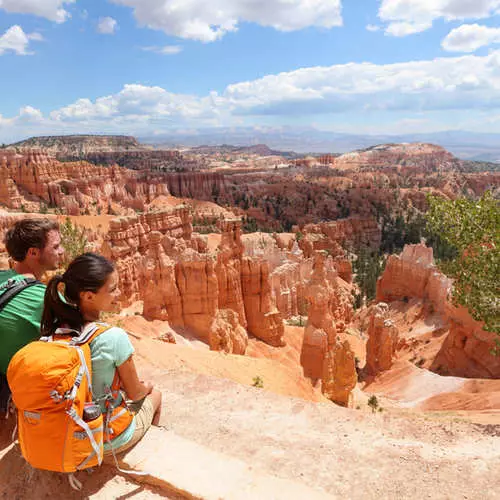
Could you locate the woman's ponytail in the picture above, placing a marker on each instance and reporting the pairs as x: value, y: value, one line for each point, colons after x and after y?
x: 58, y: 311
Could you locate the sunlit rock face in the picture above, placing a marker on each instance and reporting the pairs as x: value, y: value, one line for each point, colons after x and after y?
x: 466, y: 351
x: 217, y: 296
x: 326, y: 355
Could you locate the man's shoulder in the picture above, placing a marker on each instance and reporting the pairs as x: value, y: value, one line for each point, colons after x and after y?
x: 35, y: 293
x: 11, y: 274
x: 7, y: 274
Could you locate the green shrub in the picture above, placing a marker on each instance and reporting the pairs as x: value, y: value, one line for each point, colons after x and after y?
x: 258, y: 382
x: 73, y: 240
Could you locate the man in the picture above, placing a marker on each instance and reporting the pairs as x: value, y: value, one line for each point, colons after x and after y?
x: 35, y: 246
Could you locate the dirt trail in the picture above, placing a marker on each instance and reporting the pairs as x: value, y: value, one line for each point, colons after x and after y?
x: 349, y: 453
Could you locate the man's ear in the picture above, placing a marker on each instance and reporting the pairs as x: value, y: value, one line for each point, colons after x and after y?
x: 33, y: 252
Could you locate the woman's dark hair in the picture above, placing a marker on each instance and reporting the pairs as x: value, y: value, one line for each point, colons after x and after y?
x: 88, y: 272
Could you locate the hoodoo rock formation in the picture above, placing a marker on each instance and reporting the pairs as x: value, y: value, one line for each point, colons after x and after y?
x: 216, y: 296
x: 466, y: 351
x: 325, y: 355
x: 34, y: 178
x: 382, y: 340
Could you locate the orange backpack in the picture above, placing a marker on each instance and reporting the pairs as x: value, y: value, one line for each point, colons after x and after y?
x: 50, y: 380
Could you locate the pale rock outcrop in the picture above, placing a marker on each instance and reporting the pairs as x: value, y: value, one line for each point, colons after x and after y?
x: 382, y: 340
x: 338, y: 235
x: 339, y: 376
x: 425, y: 157
x: 227, y: 334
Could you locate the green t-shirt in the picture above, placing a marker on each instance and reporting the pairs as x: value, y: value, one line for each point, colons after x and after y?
x: 20, y: 319
x: 108, y: 351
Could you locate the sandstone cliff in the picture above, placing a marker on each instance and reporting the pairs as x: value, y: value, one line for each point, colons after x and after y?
x: 35, y: 179
x: 466, y: 350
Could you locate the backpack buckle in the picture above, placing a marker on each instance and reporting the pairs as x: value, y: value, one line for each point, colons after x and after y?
x: 8, y: 284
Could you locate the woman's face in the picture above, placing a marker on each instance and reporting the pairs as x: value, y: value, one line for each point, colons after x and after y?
x: 104, y: 300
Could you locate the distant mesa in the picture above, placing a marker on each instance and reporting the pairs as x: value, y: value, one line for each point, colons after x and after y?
x: 78, y: 145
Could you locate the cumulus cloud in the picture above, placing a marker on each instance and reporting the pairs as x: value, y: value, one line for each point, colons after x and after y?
x: 209, y: 21
x: 50, y: 9
x: 405, y: 17
x: 403, y: 28
x: 107, y: 26
x: 372, y: 27
x: 17, y: 41
x: 454, y: 84
x: 136, y: 101
x: 166, y: 50
x: 470, y: 37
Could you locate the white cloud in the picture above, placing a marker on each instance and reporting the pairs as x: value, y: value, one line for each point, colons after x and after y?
x: 208, y: 21
x: 372, y: 27
x: 36, y: 37
x: 361, y: 91
x: 136, y: 101
x: 107, y: 26
x: 412, y: 16
x: 50, y: 9
x: 403, y: 28
x: 166, y: 50
x: 470, y: 37
x: 17, y: 41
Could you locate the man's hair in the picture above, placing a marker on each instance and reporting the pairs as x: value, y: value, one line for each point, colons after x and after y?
x: 26, y: 234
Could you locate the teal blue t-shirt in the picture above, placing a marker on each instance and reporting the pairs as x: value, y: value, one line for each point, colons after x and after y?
x: 108, y: 351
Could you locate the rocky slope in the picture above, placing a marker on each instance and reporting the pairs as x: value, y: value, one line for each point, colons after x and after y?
x: 466, y: 350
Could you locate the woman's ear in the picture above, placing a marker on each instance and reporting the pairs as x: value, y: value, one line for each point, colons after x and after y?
x: 86, y: 297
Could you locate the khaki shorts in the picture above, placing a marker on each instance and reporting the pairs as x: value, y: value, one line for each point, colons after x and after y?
x: 144, y: 413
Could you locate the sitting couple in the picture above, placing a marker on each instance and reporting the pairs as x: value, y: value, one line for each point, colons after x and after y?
x: 71, y: 302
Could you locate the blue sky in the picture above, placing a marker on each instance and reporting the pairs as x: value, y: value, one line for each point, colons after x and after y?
x: 148, y: 66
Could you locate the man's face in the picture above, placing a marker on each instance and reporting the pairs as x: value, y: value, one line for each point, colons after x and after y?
x: 51, y: 255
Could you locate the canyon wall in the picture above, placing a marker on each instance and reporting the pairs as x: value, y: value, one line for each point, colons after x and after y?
x: 466, y: 351
x: 34, y: 178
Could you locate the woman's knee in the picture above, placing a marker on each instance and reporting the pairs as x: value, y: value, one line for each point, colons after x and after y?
x: 156, y: 398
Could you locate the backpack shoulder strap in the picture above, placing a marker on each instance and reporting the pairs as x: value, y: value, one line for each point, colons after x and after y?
x: 11, y: 288
x: 90, y: 332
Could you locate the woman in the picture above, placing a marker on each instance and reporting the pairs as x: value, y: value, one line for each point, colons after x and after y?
x: 73, y: 302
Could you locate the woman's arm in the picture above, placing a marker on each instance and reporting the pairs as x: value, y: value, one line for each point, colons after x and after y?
x: 134, y: 388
